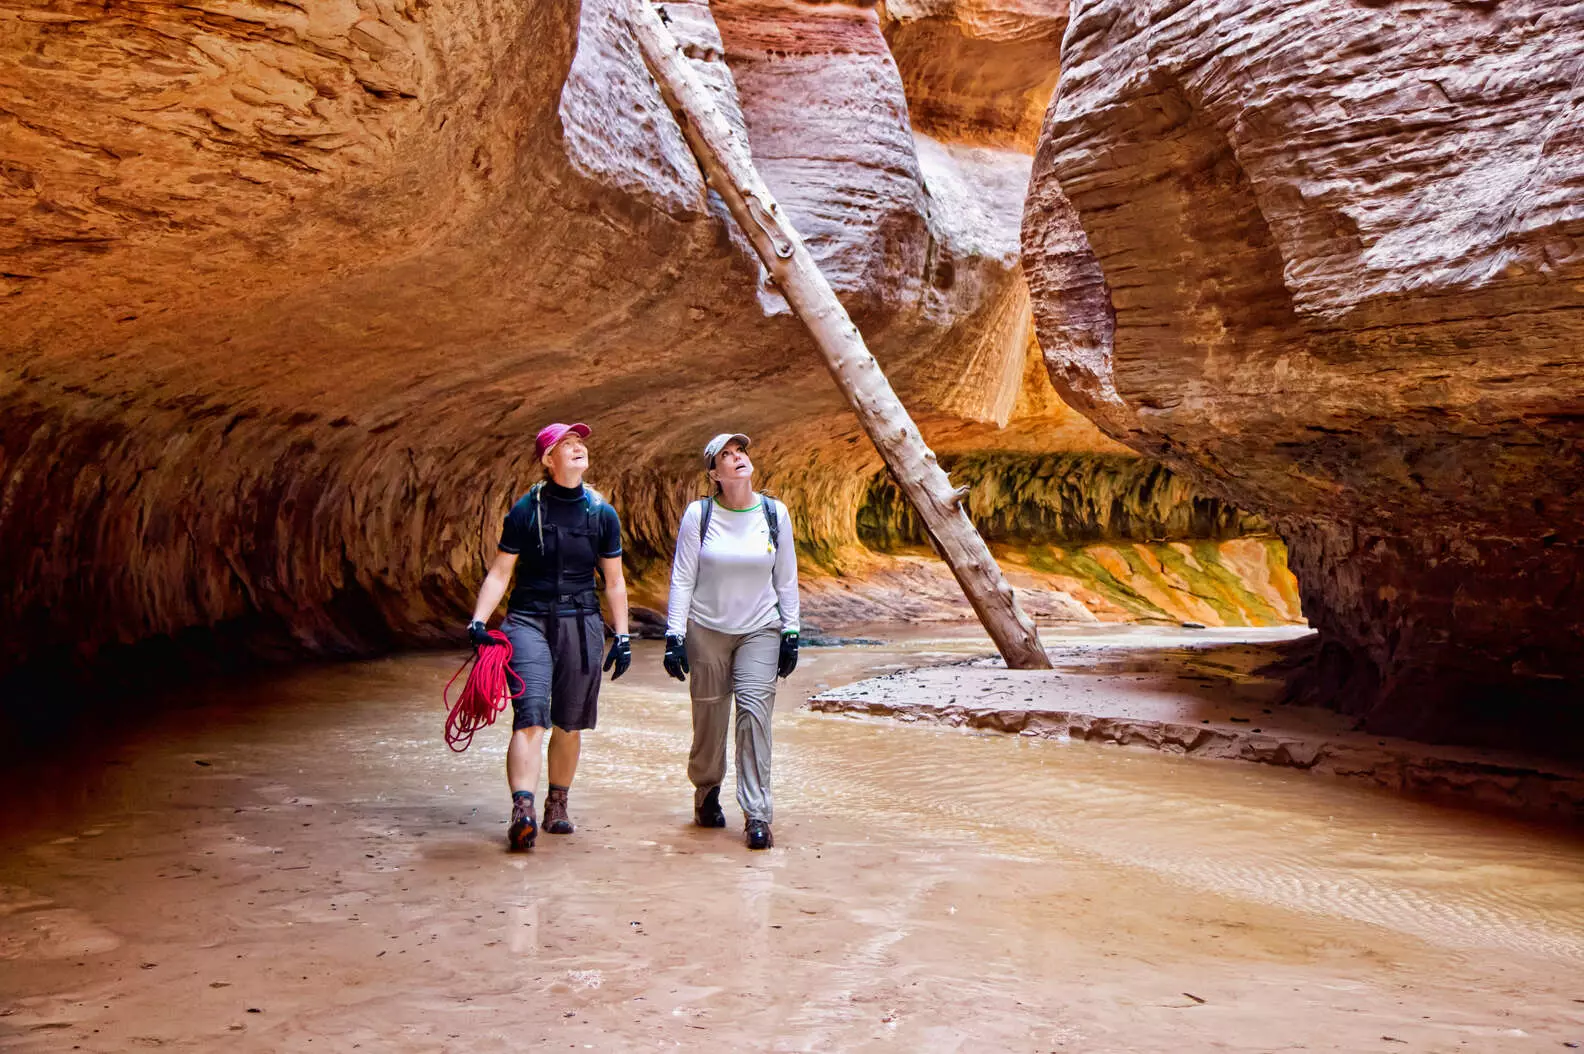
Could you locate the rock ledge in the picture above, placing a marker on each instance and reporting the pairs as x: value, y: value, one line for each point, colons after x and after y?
x: 1201, y: 694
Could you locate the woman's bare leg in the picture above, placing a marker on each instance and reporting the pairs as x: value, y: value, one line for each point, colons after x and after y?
x: 564, y: 749
x: 522, y: 759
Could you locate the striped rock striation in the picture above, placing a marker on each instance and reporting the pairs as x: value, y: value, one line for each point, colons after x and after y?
x: 285, y: 290
x: 1327, y: 262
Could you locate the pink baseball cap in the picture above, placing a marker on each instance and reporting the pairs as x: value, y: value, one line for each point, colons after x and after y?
x: 550, y: 435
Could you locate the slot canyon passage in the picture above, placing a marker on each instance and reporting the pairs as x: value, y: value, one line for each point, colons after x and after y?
x: 1253, y: 328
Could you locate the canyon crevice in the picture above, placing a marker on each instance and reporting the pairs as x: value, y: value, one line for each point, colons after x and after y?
x: 1325, y: 262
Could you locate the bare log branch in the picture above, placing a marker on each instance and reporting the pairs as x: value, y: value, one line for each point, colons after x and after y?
x: 728, y: 166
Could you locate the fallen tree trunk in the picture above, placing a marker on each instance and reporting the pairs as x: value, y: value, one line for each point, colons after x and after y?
x: 728, y: 166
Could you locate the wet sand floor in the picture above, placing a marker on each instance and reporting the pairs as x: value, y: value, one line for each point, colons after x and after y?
x: 301, y: 865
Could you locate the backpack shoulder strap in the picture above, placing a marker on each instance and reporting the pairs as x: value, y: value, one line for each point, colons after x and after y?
x: 534, y: 519
x: 772, y: 519
x: 706, y: 506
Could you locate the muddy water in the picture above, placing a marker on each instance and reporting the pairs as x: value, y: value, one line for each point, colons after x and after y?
x: 298, y: 863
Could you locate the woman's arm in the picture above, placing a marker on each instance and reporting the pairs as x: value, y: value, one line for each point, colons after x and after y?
x: 495, y: 585
x: 615, y: 591
x: 784, y: 574
x: 684, y: 573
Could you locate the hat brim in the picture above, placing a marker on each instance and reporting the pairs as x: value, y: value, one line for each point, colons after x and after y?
x: 582, y: 431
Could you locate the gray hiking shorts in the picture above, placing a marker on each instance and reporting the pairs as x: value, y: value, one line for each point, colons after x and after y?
x: 558, y: 685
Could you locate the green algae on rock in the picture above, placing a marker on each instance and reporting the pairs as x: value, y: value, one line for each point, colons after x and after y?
x: 1062, y: 497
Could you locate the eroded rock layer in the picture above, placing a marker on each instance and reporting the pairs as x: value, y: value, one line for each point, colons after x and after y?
x: 978, y: 71
x: 1326, y: 260
x: 288, y: 289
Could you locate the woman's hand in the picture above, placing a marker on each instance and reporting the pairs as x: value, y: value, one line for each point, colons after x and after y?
x: 788, y: 661
x: 479, y: 634
x: 676, y: 663
x: 620, y: 654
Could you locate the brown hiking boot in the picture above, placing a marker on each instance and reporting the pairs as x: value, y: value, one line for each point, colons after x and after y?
x: 523, y: 830
x: 555, y: 814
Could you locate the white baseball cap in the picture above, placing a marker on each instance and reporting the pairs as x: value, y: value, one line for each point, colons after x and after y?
x: 716, y: 445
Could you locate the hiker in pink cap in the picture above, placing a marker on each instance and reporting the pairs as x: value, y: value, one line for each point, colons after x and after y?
x: 555, y: 538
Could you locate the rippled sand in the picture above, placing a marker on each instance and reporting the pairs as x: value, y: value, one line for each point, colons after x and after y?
x: 300, y: 864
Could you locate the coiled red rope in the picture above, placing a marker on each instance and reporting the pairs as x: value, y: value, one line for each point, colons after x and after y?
x: 486, y: 693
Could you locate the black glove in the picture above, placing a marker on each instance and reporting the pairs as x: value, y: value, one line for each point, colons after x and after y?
x: 620, y: 655
x: 676, y: 663
x: 479, y: 634
x: 788, y: 662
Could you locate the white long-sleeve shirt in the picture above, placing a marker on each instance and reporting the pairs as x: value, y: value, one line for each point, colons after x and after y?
x: 736, y: 582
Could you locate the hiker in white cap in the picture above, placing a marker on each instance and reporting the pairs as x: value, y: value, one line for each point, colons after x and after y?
x: 733, y: 622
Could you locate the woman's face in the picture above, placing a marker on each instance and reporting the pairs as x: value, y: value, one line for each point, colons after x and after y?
x: 568, y: 457
x: 732, y: 463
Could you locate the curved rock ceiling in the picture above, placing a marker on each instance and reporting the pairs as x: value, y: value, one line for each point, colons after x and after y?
x: 1328, y: 260
x: 285, y: 290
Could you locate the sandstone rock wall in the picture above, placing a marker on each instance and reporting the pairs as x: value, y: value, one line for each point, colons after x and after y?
x: 977, y: 71
x: 288, y: 288
x: 1326, y: 260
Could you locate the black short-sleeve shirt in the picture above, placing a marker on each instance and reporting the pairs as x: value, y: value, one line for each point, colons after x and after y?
x: 567, y: 510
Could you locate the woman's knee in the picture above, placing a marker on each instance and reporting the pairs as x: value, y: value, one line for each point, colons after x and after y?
x: 756, y: 689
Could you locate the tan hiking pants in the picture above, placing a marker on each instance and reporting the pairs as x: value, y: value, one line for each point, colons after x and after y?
x: 723, y: 665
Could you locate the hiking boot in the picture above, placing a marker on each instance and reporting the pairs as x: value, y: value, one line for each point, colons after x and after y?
x: 523, y: 830
x: 555, y: 816
x: 759, y: 835
x: 708, y: 813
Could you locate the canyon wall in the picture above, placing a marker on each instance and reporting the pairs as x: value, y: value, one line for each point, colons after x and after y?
x: 285, y: 291
x: 1327, y: 262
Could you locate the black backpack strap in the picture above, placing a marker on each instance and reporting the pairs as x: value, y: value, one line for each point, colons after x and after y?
x: 707, y: 507
x: 591, y: 504
x: 534, y: 517
x: 772, y: 519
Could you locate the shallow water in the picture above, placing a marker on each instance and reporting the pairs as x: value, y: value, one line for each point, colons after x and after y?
x: 304, y: 846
